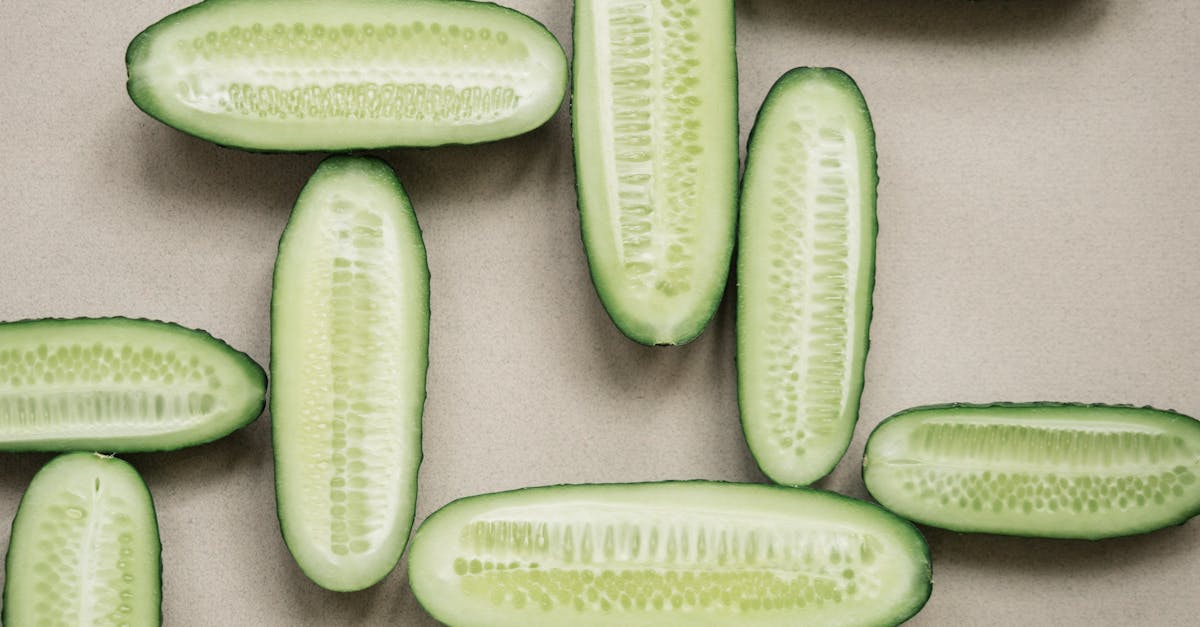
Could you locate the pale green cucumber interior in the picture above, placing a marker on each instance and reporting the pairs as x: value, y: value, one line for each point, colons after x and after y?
x: 116, y: 384
x: 349, y: 354
x: 667, y: 554
x: 655, y: 125
x: 1084, y: 472
x: 84, y: 548
x: 805, y: 265
x: 277, y: 75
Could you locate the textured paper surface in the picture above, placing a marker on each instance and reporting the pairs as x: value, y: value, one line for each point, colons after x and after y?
x: 1039, y: 240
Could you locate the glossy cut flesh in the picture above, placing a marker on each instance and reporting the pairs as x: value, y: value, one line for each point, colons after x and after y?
x: 806, y: 261
x: 350, y: 340
x: 1051, y: 470
x: 656, y: 155
x: 669, y: 554
x: 278, y: 75
x: 120, y: 385
x: 84, y: 547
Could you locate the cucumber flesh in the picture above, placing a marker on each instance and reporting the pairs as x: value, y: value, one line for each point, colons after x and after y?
x: 120, y: 385
x: 280, y: 75
x: 666, y: 554
x: 806, y: 262
x: 84, y: 548
x: 656, y: 157
x: 1041, y: 469
x: 350, y: 341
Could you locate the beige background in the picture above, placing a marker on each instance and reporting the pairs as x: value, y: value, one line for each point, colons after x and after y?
x: 1039, y: 240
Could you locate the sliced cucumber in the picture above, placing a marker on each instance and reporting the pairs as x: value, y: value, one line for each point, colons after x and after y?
x: 280, y: 75
x: 84, y: 547
x: 688, y: 554
x: 806, y: 263
x: 1041, y: 469
x: 118, y: 384
x: 656, y: 156
x: 349, y: 350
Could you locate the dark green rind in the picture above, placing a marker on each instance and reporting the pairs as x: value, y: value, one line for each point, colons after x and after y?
x: 629, y: 327
x: 337, y: 162
x: 902, y: 525
x: 1161, y: 414
x: 254, y: 373
x: 5, y: 619
x: 143, y: 99
x: 837, y: 75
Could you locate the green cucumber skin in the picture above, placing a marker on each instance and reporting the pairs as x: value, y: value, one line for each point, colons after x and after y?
x: 514, y: 499
x: 145, y: 101
x: 335, y: 163
x: 1166, y: 418
x: 866, y: 303
x: 642, y: 331
x: 6, y: 617
x: 255, y: 377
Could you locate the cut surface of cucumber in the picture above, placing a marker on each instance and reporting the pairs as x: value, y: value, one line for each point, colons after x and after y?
x: 805, y: 272
x: 349, y: 350
x: 120, y: 385
x: 282, y: 75
x: 654, y: 114
x: 1037, y: 469
x: 667, y: 554
x: 84, y: 547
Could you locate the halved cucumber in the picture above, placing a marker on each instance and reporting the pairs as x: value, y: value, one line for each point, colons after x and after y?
x: 118, y: 384
x: 84, y: 547
x: 349, y: 350
x: 1040, y: 469
x: 336, y: 75
x: 806, y: 263
x: 658, y: 555
x: 656, y: 157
